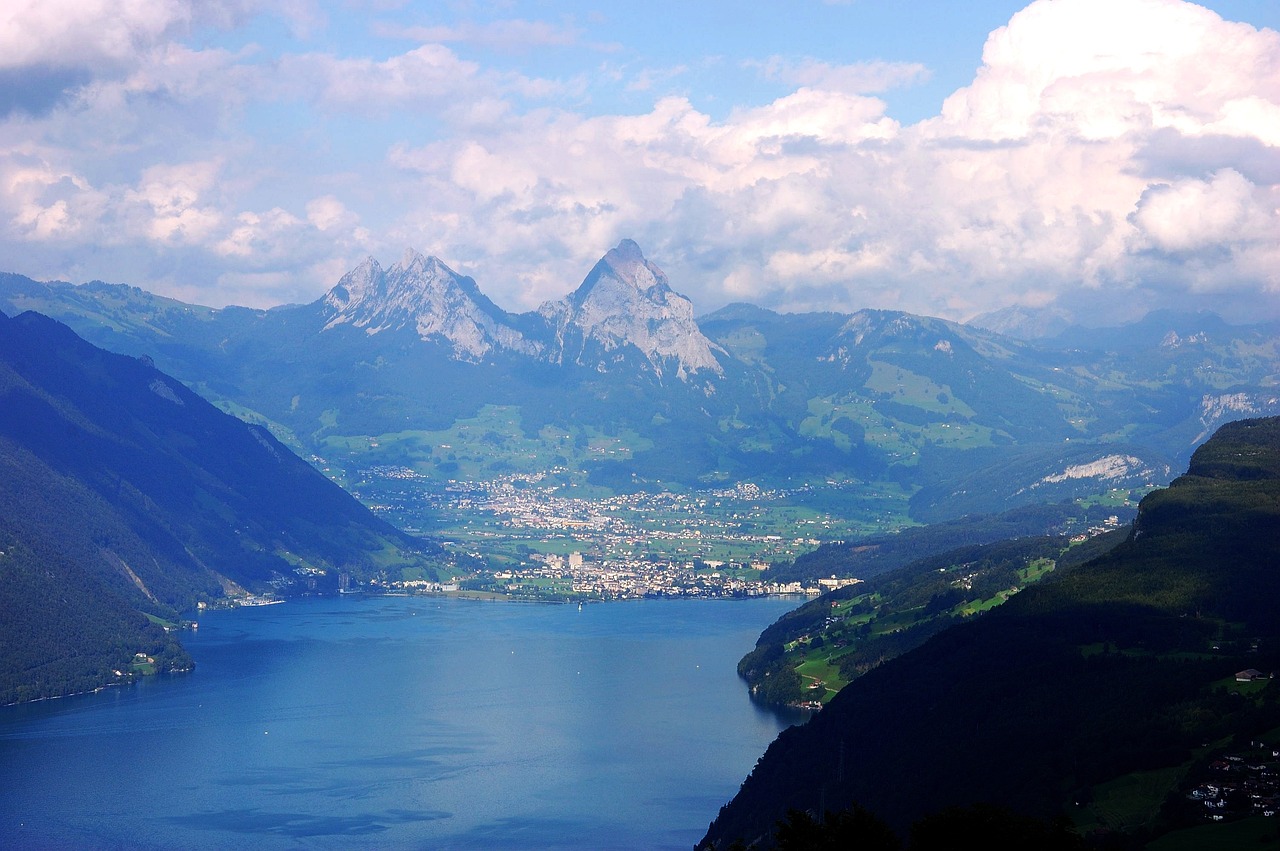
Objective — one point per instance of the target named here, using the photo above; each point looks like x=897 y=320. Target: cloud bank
x=1108 y=156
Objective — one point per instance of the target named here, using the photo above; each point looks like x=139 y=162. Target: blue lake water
x=405 y=722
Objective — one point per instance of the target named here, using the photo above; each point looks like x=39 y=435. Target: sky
x=1095 y=158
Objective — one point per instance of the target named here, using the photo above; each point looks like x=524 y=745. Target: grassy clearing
x=161 y=622
x=1132 y=802
x=979 y=606
x=911 y=388
x=1037 y=570
x=142 y=665
x=957 y=435
x=819 y=669
x=1116 y=497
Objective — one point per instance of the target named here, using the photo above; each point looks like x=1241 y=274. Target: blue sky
x=1094 y=158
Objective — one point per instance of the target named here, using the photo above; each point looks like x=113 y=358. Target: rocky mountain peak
x=625 y=270
x=423 y=293
x=413 y=259
x=364 y=281
x=626 y=301
x=624 y=307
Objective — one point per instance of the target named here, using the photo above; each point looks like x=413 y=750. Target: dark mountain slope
x=811 y=652
x=124 y=492
x=1116 y=666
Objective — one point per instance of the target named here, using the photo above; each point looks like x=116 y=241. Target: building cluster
x=1112 y=522
x=538 y=511
x=581 y=577
x=1241 y=784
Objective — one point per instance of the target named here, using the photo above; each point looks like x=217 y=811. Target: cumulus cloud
x=55 y=32
x=1192 y=214
x=1096 y=69
x=171 y=204
x=1119 y=154
x=1053 y=172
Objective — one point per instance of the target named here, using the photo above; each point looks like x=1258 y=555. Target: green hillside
x=811 y=653
x=1106 y=692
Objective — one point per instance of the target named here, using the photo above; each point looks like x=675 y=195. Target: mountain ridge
x=964 y=420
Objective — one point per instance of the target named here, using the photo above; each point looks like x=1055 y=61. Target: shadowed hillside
x=126 y=498
x=1120 y=665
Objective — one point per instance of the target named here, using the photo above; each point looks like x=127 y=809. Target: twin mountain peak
x=625 y=302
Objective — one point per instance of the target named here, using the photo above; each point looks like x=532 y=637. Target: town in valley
x=521 y=536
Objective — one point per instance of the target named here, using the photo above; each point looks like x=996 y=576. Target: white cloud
x=1125 y=150
x=430 y=73
x=256 y=234
x=1098 y=69
x=58 y=32
x=328 y=213
x=168 y=202
x=105 y=34
x=857 y=78
x=428 y=77
x=1191 y=214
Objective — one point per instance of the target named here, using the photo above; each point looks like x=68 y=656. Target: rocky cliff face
x=624 y=302
x=425 y=294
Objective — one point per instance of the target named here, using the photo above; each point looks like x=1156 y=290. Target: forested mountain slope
x=1121 y=665
x=124 y=494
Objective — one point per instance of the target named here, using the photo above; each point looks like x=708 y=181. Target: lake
x=405 y=722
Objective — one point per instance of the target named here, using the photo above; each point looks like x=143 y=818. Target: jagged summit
x=624 y=265
x=626 y=301
x=423 y=293
x=624 y=307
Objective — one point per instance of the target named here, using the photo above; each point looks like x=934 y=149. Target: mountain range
x=962 y=419
x=126 y=499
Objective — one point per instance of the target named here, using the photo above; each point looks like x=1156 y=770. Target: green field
x=1130 y=803
x=490 y=444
